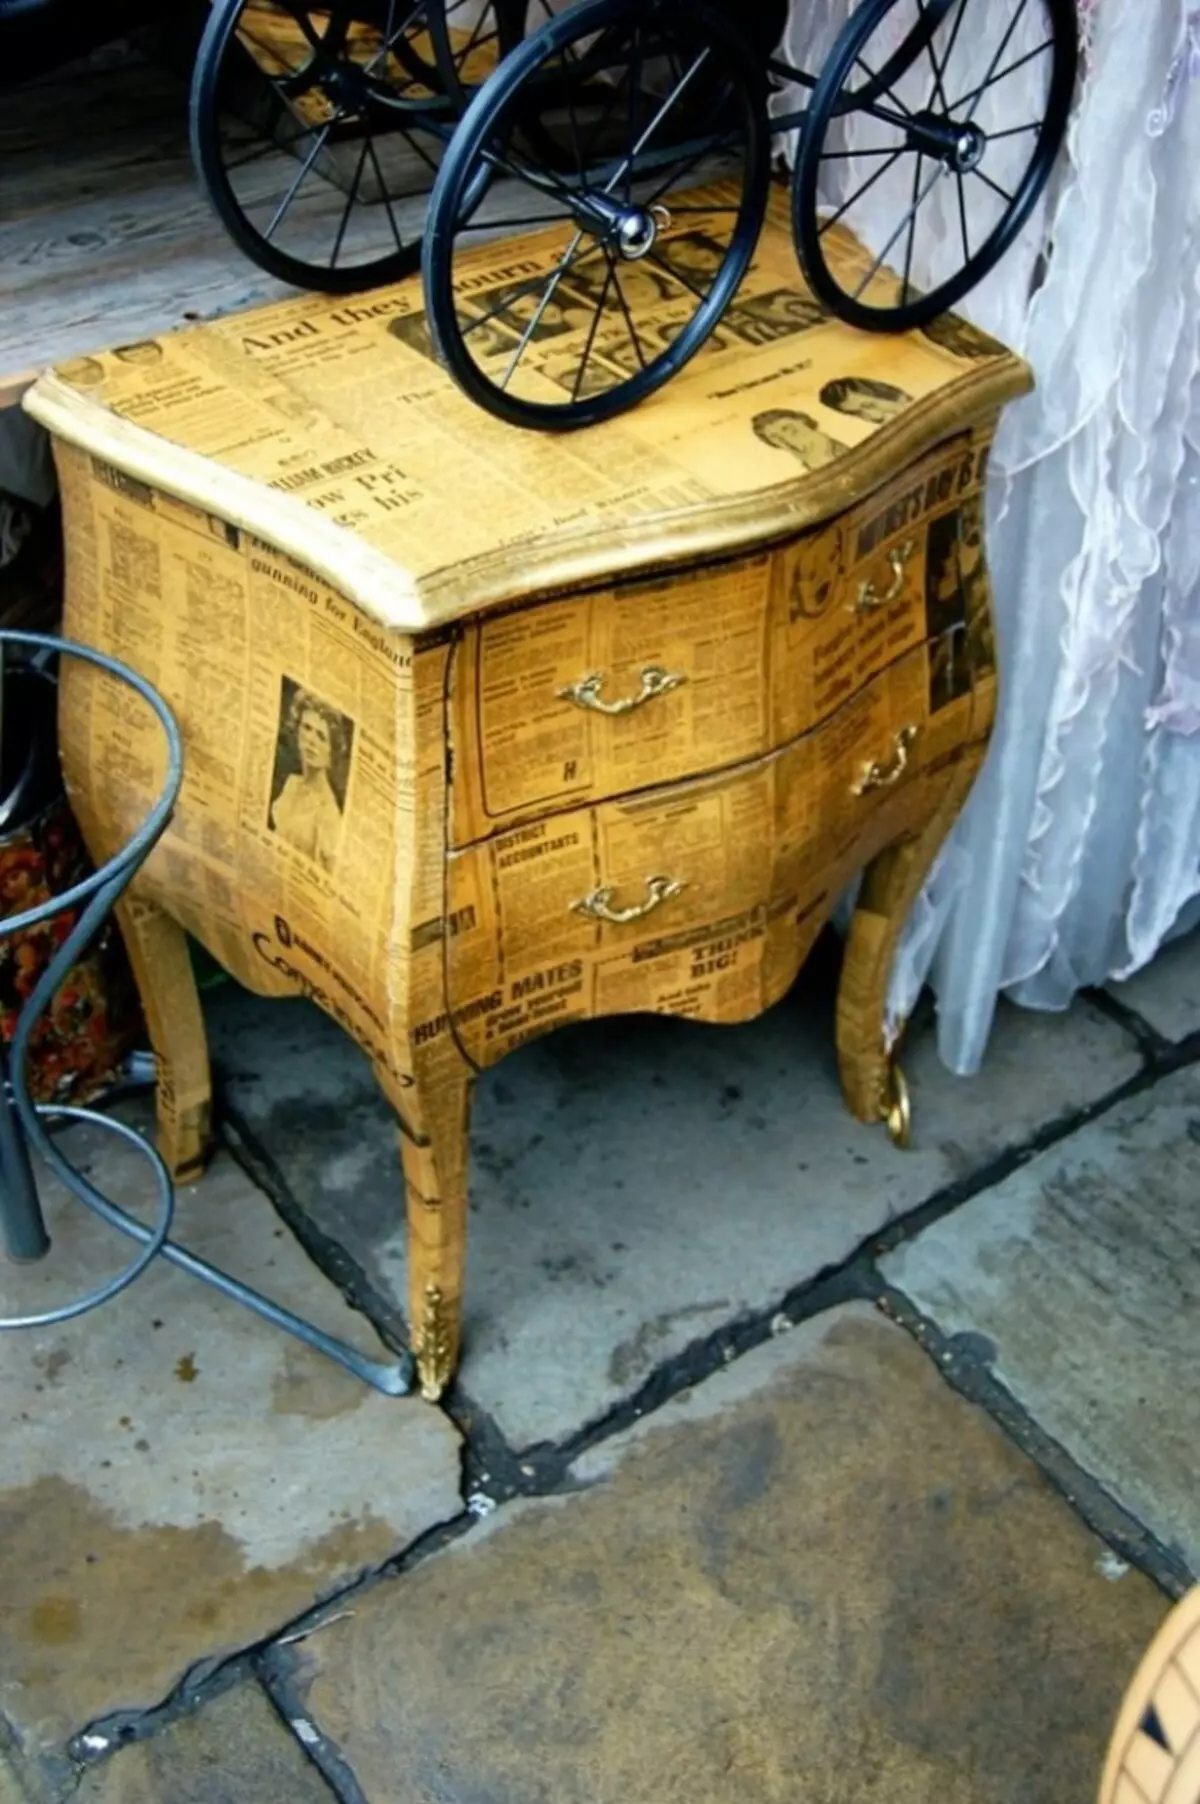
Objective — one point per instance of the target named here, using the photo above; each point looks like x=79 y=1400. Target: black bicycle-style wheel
x=318 y=126
x=932 y=132
x=627 y=142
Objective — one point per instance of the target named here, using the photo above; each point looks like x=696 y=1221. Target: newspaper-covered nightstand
x=487 y=731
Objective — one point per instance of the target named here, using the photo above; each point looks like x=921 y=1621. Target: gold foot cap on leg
x=897 y=1108
x=435 y=1358
x=433 y=1382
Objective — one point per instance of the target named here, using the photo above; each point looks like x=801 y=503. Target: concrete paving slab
x=234 y=1751
x=1083 y=1270
x=1167 y=992
x=823 y=1577
x=10 y=1791
x=637 y=1183
x=179 y=1479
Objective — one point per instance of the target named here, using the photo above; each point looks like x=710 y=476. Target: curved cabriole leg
x=872 y=1080
x=434 y=1151
x=162 y=969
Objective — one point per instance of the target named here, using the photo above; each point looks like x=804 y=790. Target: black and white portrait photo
x=865 y=398
x=945 y=603
x=787 y=429
x=313 y=748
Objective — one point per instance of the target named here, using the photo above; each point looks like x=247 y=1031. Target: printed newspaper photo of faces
x=314 y=746
x=797 y=434
x=960 y=339
x=981 y=626
x=945 y=602
x=950 y=669
x=864 y=398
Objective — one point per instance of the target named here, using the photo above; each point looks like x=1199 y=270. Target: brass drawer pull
x=655 y=682
x=882 y=776
x=869 y=596
x=598 y=906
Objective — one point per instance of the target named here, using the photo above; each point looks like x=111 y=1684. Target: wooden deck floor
x=104 y=233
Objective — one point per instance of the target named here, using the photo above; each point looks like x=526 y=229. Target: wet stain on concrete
x=96 y=1617
x=54 y=1621
x=53 y=1364
x=319 y=1390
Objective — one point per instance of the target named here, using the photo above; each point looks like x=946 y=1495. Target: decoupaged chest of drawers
x=488 y=731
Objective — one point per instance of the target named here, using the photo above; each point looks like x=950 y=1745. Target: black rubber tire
x=829 y=103
x=461 y=175
x=218 y=43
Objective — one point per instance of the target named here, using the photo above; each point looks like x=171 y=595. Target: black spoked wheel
x=932 y=132
x=627 y=142
x=318 y=128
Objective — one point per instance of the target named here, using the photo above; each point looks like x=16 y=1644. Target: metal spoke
x=938 y=173
x=1002 y=192
x=634 y=76
x=912 y=232
x=681 y=169
x=619 y=173
x=523 y=172
x=290 y=196
x=419 y=148
x=389 y=25
x=890 y=92
x=962 y=9
x=669 y=269
x=268 y=50
x=977 y=94
x=267 y=147
x=835 y=156
x=523 y=288
x=871 y=109
x=601 y=122
x=962 y=217
x=591 y=337
x=574 y=123
x=1005 y=41
x=392 y=38
x=1017 y=131
x=542 y=305
x=383 y=188
x=637 y=343
x=938 y=84
x=859 y=192
x=349 y=208
x=304 y=20
x=473 y=42
x=503 y=225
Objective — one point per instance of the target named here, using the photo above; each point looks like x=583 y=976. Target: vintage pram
x=635 y=139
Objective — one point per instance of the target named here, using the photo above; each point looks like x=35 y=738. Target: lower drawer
x=688 y=899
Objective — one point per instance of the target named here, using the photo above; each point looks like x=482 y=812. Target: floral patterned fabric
x=93 y=1020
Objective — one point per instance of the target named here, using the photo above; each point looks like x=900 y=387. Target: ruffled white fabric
x=1079 y=852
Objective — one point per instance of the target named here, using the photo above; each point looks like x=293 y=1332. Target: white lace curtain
x=1079 y=852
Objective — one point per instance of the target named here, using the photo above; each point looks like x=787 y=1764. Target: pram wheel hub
x=629 y=232
x=961 y=147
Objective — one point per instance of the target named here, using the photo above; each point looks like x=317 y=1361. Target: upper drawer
x=600 y=694
x=603 y=694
